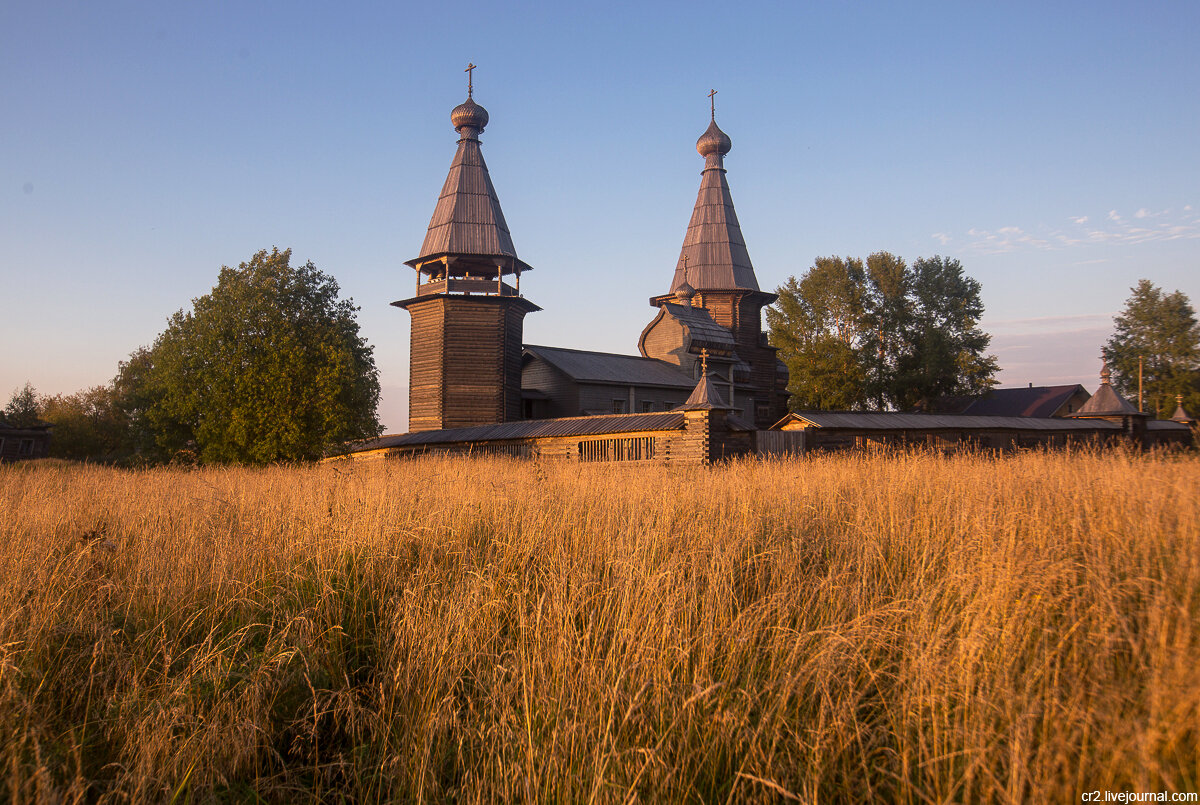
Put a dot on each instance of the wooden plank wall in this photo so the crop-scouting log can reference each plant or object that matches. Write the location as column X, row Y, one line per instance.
column 465, row 362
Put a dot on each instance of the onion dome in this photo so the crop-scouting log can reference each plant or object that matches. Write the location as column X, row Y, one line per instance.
column 470, row 115
column 684, row 293
column 713, row 141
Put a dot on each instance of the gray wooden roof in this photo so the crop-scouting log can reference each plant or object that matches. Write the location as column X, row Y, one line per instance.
column 888, row 420
column 703, row 329
column 704, row 397
column 467, row 220
column 1106, row 402
column 1036, row 401
column 531, row 428
column 715, row 250
column 605, row 367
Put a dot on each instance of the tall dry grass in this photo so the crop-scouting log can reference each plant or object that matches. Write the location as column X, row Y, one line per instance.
column 905, row 629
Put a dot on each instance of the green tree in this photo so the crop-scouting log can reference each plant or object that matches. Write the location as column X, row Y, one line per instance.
column 817, row 323
column 884, row 333
column 88, row 424
column 23, row 407
column 946, row 353
column 888, row 322
column 269, row 366
column 1160, row 328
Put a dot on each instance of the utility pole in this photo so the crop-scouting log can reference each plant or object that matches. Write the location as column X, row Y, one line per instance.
column 1139, row 384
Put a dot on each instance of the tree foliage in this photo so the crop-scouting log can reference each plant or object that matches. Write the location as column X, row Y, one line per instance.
column 1161, row 328
column 268, row 366
column 881, row 333
column 88, row 425
column 22, row 409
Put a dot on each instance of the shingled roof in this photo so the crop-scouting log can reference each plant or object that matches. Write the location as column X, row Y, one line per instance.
column 1107, row 401
column 714, row 255
column 1034, row 401
column 607, row 367
column 891, row 420
column 467, row 221
column 530, row 429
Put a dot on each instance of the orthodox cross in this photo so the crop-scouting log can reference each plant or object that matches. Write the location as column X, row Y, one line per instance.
column 685, row 262
column 712, row 104
column 470, row 76
column 704, row 363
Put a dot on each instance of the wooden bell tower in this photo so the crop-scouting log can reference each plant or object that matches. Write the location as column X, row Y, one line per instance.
column 467, row 322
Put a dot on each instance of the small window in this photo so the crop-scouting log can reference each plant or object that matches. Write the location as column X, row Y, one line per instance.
column 619, row 406
column 647, row 406
column 26, row 447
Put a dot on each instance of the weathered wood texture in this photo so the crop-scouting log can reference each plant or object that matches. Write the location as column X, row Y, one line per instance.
column 465, row 361
column 741, row 314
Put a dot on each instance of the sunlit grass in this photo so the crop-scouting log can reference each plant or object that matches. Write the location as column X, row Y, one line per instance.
column 909, row 628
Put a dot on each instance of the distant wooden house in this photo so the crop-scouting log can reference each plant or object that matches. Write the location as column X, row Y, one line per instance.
column 21, row 442
column 840, row 430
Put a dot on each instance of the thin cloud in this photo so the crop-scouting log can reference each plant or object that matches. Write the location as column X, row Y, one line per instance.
column 941, row 237
column 1144, row 226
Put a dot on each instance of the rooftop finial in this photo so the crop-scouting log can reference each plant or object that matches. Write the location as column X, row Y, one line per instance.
column 469, row 118
column 713, row 142
column 1105, row 373
column 704, row 363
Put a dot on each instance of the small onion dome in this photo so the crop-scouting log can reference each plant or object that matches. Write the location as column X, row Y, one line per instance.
column 468, row 113
column 713, row 141
column 1105, row 375
column 684, row 293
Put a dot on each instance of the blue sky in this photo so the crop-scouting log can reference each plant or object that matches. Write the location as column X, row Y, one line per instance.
column 1049, row 147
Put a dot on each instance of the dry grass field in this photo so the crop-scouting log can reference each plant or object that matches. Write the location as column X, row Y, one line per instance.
column 911, row 628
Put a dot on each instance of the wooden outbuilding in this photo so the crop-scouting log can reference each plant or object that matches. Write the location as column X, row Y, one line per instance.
column 23, row 442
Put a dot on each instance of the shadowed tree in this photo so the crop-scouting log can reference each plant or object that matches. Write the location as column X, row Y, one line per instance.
column 88, row 425
column 23, row 408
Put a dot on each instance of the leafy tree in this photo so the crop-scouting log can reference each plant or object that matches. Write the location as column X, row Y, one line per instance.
column 88, row 424
column 817, row 324
column 269, row 366
column 946, row 352
column 23, row 409
column 881, row 333
column 1162, row 329
column 888, row 322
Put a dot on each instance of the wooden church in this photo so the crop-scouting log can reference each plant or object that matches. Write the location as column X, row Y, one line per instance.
column 706, row 385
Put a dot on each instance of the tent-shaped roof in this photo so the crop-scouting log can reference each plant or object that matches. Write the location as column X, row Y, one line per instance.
column 1107, row 401
column 1180, row 414
column 714, row 255
column 467, row 221
column 704, row 397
